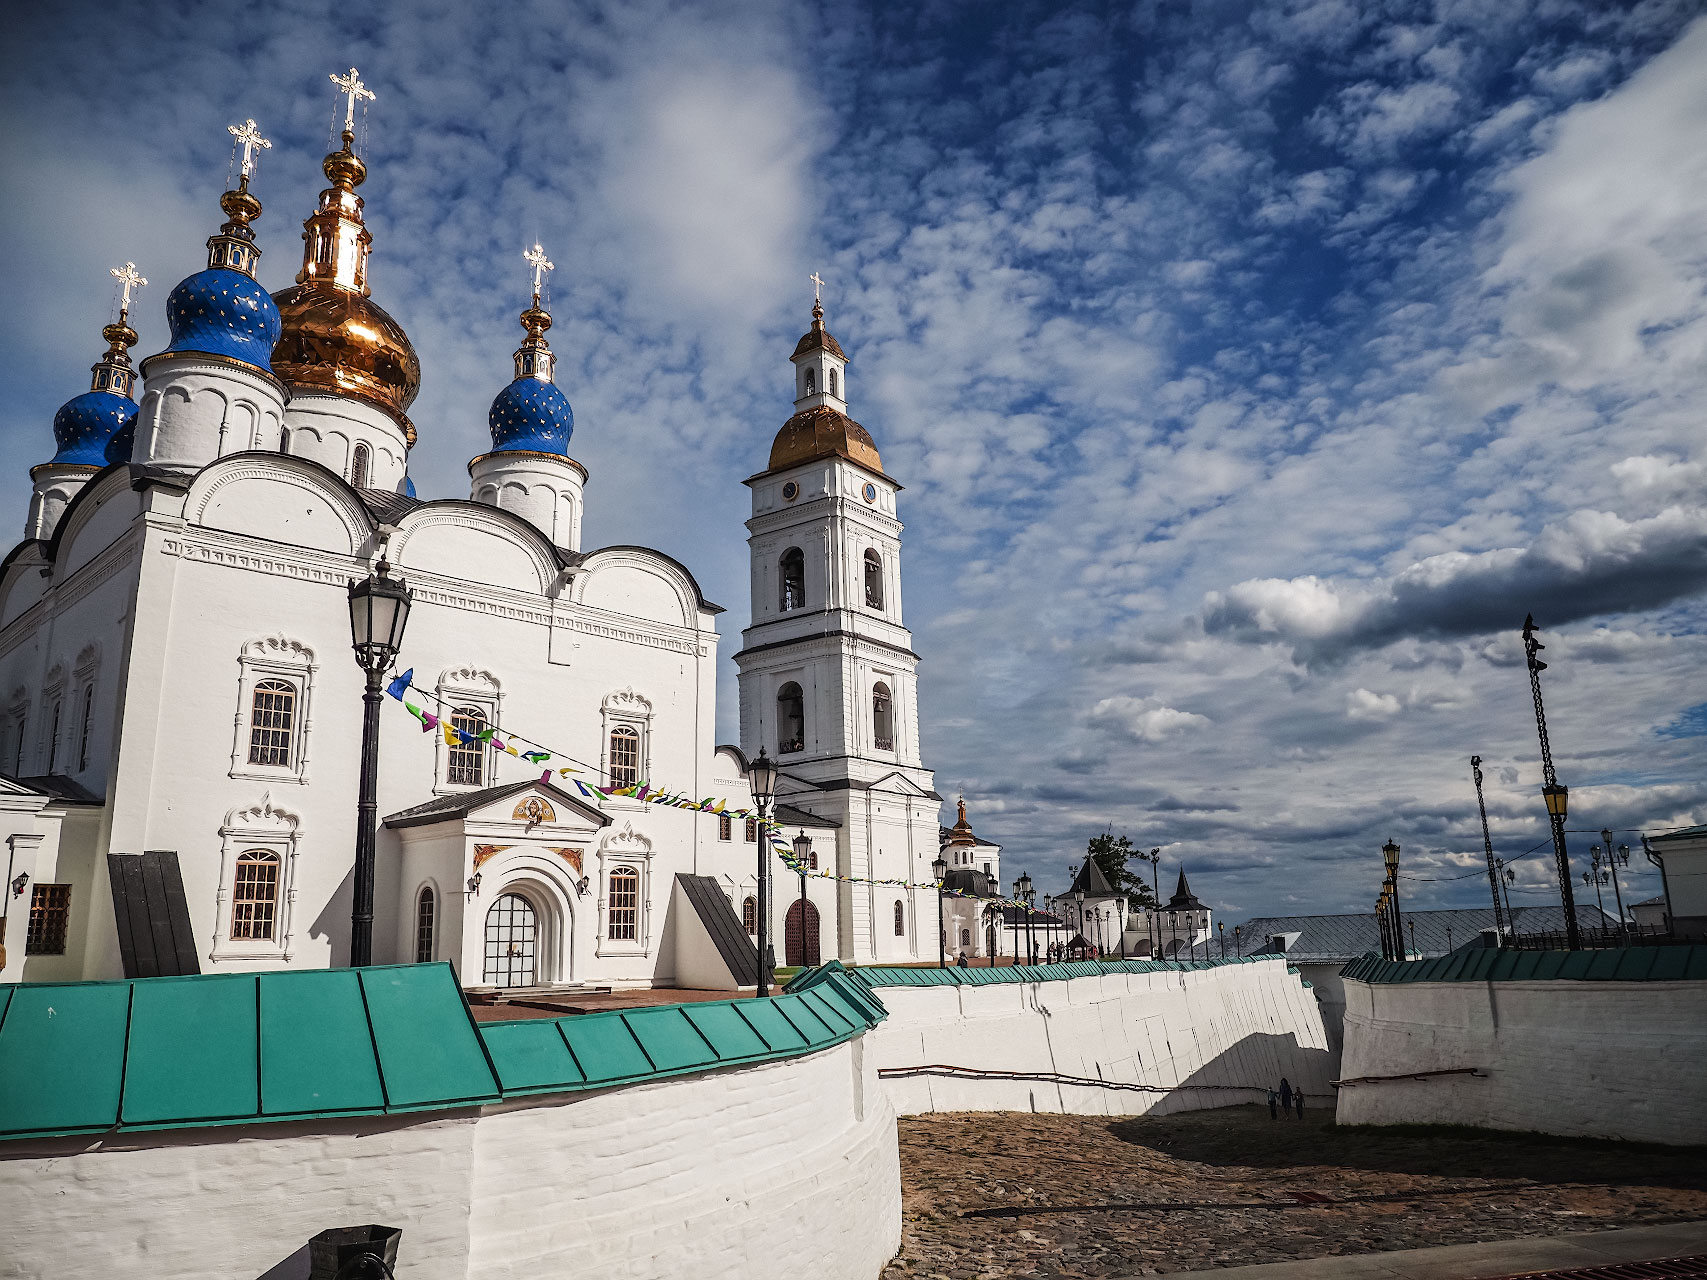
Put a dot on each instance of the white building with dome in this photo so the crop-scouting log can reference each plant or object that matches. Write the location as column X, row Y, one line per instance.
column 180, row 715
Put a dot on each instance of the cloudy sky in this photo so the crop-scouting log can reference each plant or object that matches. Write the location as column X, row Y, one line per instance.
column 1252, row 369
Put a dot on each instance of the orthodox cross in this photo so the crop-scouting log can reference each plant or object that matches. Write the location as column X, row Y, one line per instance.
column 817, row 288
column 250, row 139
column 129, row 279
column 354, row 91
column 541, row 264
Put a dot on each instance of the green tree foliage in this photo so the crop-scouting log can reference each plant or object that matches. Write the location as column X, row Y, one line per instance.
column 1111, row 853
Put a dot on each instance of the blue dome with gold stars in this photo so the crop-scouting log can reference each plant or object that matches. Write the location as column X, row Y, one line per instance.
column 221, row 312
column 86, row 426
column 533, row 416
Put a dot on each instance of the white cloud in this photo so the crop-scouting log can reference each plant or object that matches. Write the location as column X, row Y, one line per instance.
column 1362, row 704
column 1143, row 719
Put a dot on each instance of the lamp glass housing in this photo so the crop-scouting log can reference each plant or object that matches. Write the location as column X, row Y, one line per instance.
column 1557, row 796
column 802, row 848
column 761, row 777
column 1023, row 884
column 379, row 610
column 1390, row 853
column 939, row 868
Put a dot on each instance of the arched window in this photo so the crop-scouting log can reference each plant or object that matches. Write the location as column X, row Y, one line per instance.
column 900, row 919
column 426, row 908
column 623, row 912
column 882, row 717
column 88, row 724
column 467, row 764
column 23, row 725
column 750, row 915
column 255, row 896
column 53, row 739
column 624, row 756
column 811, row 382
column 873, row 580
column 793, row 594
column 832, row 382
column 966, row 937
column 284, row 440
column 272, row 723
column 725, row 827
column 790, row 718
column 360, row 464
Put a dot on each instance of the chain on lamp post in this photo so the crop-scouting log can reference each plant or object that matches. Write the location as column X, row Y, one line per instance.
column 1390, row 855
column 1556, row 795
column 761, row 778
column 1488, row 846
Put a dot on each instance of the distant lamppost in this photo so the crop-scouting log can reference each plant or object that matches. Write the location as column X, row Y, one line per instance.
column 1026, row 894
column 761, row 778
column 1381, row 925
column 1238, row 942
column 1412, row 925
column 1623, row 860
column 1507, row 878
column 1154, row 858
column 802, row 852
column 379, row 610
column 1552, row 791
column 1390, row 855
column 1488, row 846
column 1221, row 925
column 939, row 869
column 1173, row 934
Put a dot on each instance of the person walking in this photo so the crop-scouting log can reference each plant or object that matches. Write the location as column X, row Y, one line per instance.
column 960, row 961
column 1298, row 1102
column 1273, row 1105
column 1285, row 1095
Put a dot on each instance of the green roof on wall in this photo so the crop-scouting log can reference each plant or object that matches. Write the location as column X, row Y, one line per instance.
column 215, row 1049
column 1496, row 964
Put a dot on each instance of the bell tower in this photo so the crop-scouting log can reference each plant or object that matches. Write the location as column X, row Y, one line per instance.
column 828, row 676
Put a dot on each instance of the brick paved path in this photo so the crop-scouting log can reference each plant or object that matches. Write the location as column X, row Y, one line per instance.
column 999, row 1195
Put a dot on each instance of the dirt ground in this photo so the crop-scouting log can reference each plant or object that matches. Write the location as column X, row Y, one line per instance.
column 1006, row 1194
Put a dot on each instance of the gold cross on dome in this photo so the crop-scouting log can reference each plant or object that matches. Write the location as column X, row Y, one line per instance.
column 250, row 139
column 817, row 287
column 354, row 91
column 128, row 277
column 536, row 259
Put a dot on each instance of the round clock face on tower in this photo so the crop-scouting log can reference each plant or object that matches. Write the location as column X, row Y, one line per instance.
column 870, row 492
column 790, row 491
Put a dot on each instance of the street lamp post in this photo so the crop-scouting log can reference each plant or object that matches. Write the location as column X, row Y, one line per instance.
column 939, row 869
column 379, row 610
column 1173, row 934
column 1079, row 914
column 761, row 777
column 1381, row 926
column 1026, row 894
column 1488, row 846
column 1221, row 925
column 1390, row 855
column 1552, row 791
column 802, row 851
column 1238, row 941
column 1508, row 877
column 1154, row 858
column 1623, row 860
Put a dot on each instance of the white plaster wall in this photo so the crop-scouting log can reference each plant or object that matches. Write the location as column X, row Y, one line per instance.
column 1586, row 1059
column 780, row 1170
column 545, row 491
column 1241, row 1027
column 327, row 429
column 195, row 409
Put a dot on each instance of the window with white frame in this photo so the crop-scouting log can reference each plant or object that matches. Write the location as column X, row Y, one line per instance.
column 471, row 695
column 467, row 767
column 627, row 728
column 750, row 914
column 256, row 894
column 426, row 911
column 623, row 913
column 624, row 767
column 900, row 919
column 275, row 678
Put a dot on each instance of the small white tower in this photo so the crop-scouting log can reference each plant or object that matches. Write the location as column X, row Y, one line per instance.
column 529, row 470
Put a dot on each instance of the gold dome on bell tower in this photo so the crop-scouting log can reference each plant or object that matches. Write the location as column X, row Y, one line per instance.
column 334, row 337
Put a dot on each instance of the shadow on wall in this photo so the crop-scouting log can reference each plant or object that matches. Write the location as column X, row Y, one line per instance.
column 1259, row 1062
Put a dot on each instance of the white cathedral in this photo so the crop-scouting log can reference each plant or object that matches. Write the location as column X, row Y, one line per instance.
column 175, row 677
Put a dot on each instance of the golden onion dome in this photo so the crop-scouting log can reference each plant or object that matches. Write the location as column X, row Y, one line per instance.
column 823, row 432
column 334, row 337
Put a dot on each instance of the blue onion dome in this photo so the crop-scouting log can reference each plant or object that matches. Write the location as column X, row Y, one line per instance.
column 409, row 487
column 531, row 415
column 224, row 311
column 86, row 427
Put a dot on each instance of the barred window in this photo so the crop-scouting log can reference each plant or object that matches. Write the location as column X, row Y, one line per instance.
column 966, row 937
column 900, row 919
column 272, row 720
column 624, row 756
column 88, row 723
column 750, row 915
column 50, row 913
column 255, row 896
column 624, row 911
column 725, row 827
column 425, row 908
column 467, row 764
column 752, row 833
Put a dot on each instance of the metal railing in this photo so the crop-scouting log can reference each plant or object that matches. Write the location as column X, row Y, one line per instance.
column 1597, row 939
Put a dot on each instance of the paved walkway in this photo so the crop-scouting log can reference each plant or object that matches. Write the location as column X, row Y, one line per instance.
column 1499, row 1258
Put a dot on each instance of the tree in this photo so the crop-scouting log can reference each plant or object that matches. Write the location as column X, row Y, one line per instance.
column 1111, row 853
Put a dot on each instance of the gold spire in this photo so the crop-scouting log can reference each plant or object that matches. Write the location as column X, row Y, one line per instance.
column 113, row 372
column 534, row 358
column 335, row 240
column 234, row 247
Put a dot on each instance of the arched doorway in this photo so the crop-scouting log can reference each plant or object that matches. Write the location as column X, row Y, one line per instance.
column 512, row 943
column 791, row 935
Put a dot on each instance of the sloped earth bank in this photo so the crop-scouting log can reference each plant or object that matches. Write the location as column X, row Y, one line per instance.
column 1006, row 1194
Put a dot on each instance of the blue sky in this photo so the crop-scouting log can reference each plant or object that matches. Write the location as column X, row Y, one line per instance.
column 1251, row 369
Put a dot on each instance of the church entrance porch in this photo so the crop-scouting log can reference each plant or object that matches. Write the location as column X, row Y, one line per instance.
column 512, row 943
column 792, row 938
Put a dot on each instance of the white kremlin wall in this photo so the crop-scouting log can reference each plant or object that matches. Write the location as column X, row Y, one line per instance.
column 1583, row 1059
column 1191, row 1038
column 784, row 1169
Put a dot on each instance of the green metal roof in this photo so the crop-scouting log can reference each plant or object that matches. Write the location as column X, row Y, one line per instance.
column 158, row 1053
column 951, row 976
column 1495, row 964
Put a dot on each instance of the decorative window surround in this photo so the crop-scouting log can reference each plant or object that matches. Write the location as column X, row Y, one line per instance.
column 626, row 708
column 459, row 687
column 259, row 826
column 625, row 848
column 287, row 661
column 51, row 727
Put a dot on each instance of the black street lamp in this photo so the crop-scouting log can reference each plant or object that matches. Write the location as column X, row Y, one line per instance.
column 1555, row 794
column 1488, row 846
column 1381, row 925
column 379, row 610
column 1221, row 925
column 1079, row 912
column 761, row 778
column 1173, row 934
column 939, row 869
column 802, row 851
column 1154, row 858
column 1507, row 878
column 1623, row 860
column 1026, row 894
column 1238, row 942
column 1390, row 855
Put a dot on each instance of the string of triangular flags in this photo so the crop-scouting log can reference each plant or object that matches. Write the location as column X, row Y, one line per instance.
column 538, row 753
